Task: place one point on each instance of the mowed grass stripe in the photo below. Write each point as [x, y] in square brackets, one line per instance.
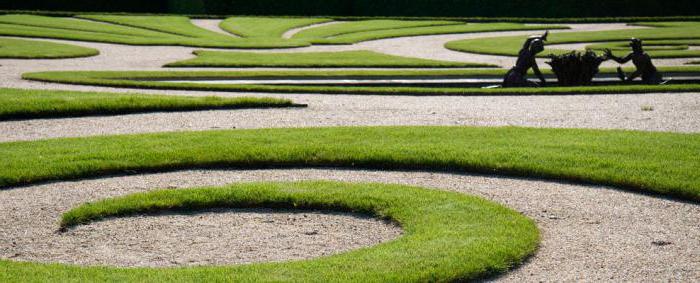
[34, 104]
[313, 59]
[32, 49]
[652, 162]
[654, 33]
[160, 80]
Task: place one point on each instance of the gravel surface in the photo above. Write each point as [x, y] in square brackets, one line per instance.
[588, 233]
[671, 112]
[212, 25]
[30, 219]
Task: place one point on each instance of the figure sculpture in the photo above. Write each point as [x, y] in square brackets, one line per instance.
[641, 60]
[516, 76]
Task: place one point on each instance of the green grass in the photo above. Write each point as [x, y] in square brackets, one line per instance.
[32, 49]
[32, 104]
[149, 79]
[358, 31]
[660, 33]
[254, 32]
[447, 236]
[663, 163]
[313, 59]
[132, 30]
[255, 27]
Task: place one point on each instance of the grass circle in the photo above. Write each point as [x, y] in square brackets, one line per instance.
[447, 236]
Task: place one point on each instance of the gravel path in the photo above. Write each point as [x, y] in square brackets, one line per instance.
[211, 25]
[588, 233]
[671, 112]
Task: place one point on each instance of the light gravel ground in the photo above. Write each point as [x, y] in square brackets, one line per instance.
[588, 233]
[211, 25]
[671, 112]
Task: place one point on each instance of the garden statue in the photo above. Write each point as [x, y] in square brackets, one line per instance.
[641, 60]
[526, 60]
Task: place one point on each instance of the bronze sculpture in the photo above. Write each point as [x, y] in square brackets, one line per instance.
[641, 60]
[526, 60]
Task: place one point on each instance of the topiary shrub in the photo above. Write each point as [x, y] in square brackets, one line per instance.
[575, 68]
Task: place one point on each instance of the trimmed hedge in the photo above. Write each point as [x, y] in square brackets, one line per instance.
[435, 8]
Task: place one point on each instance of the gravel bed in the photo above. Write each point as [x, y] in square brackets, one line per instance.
[589, 233]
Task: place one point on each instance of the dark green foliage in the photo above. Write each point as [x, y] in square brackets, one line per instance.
[575, 68]
[444, 8]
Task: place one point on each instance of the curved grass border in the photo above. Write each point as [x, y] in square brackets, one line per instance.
[11, 48]
[655, 34]
[339, 59]
[447, 236]
[18, 104]
[148, 80]
[647, 162]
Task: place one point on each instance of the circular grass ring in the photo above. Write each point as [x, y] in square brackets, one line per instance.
[447, 236]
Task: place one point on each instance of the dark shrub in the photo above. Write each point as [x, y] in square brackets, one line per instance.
[575, 68]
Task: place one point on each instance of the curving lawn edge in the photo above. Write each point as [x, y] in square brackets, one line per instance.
[447, 236]
[11, 48]
[35, 104]
[340, 59]
[648, 162]
[150, 80]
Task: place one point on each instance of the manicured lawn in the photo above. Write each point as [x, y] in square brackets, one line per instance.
[357, 31]
[447, 236]
[664, 163]
[253, 32]
[661, 33]
[149, 79]
[263, 27]
[34, 49]
[134, 30]
[32, 104]
[313, 59]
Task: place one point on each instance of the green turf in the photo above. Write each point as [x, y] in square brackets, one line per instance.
[33, 49]
[31, 104]
[447, 236]
[357, 31]
[149, 79]
[313, 59]
[254, 32]
[661, 33]
[664, 163]
[252, 27]
[133, 30]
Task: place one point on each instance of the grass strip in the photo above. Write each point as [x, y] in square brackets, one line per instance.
[651, 162]
[340, 59]
[255, 32]
[33, 104]
[354, 32]
[678, 33]
[155, 80]
[32, 49]
[266, 27]
[447, 236]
